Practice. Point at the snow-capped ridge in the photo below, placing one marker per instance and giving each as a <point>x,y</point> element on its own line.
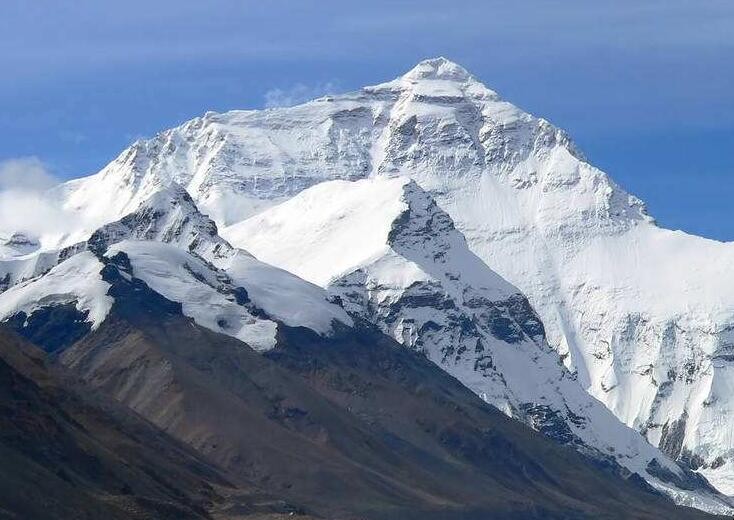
<point>206,294</point>
<point>424,231</point>
<point>168,215</point>
<point>176,250</point>
<point>412,274</point>
<point>171,216</point>
<point>76,281</point>
<point>437,78</point>
<point>236,163</point>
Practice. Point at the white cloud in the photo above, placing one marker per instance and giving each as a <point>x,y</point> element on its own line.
<point>24,203</point>
<point>296,94</point>
<point>25,174</point>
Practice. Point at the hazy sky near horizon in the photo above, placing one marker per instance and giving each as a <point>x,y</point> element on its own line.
<point>646,88</point>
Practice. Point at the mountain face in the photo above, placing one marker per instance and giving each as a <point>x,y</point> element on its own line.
<point>343,424</point>
<point>389,256</point>
<point>407,269</point>
<point>175,250</point>
<point>641,314</point>
<point>649,343</point>
<point>314,422</point>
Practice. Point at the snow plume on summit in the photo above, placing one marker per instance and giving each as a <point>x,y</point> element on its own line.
<point>297,94</point>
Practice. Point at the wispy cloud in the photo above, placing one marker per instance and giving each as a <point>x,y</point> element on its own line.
<point>24,202</point>
<point>298,93</point>
<point>27,174</point>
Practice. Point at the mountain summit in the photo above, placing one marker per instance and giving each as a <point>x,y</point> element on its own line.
<point>640,316</point>
<point>438,68</point>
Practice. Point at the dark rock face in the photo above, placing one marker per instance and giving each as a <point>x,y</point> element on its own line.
<point>671,437</point>
<point>54,327</point>
<point>671,443</point>
<point>549,422</point>
<point>133,297</point>
<point>690,479</point>
<point>70,251</point>
<point>525,316</point>
<point>345,373</point>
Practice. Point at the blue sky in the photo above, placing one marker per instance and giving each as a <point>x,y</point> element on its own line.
<point>646,88</point>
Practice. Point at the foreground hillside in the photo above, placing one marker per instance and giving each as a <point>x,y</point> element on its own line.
<point>69,452</point>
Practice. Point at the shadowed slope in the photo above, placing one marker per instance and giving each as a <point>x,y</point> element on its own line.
<point>352,426</point>
<point>68,454</point>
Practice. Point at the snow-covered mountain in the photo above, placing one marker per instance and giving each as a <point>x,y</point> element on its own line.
<point>175,250</point>
<point>642,314</point>
<point>394,258</point>
<point>389,256</point>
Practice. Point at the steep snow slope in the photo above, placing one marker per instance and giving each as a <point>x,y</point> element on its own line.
<point>394,258</point>
<point>656,325</point>
<point>170,216</point>
<point>17,268</point>
<point>175,250</point>
<point>206,294</point>
<point>76,281</point>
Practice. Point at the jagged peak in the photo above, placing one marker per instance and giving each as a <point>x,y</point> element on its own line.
<point>440,77</point>
<point>171,194</point>
<point>169,215</point>
<point>438,68</point>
